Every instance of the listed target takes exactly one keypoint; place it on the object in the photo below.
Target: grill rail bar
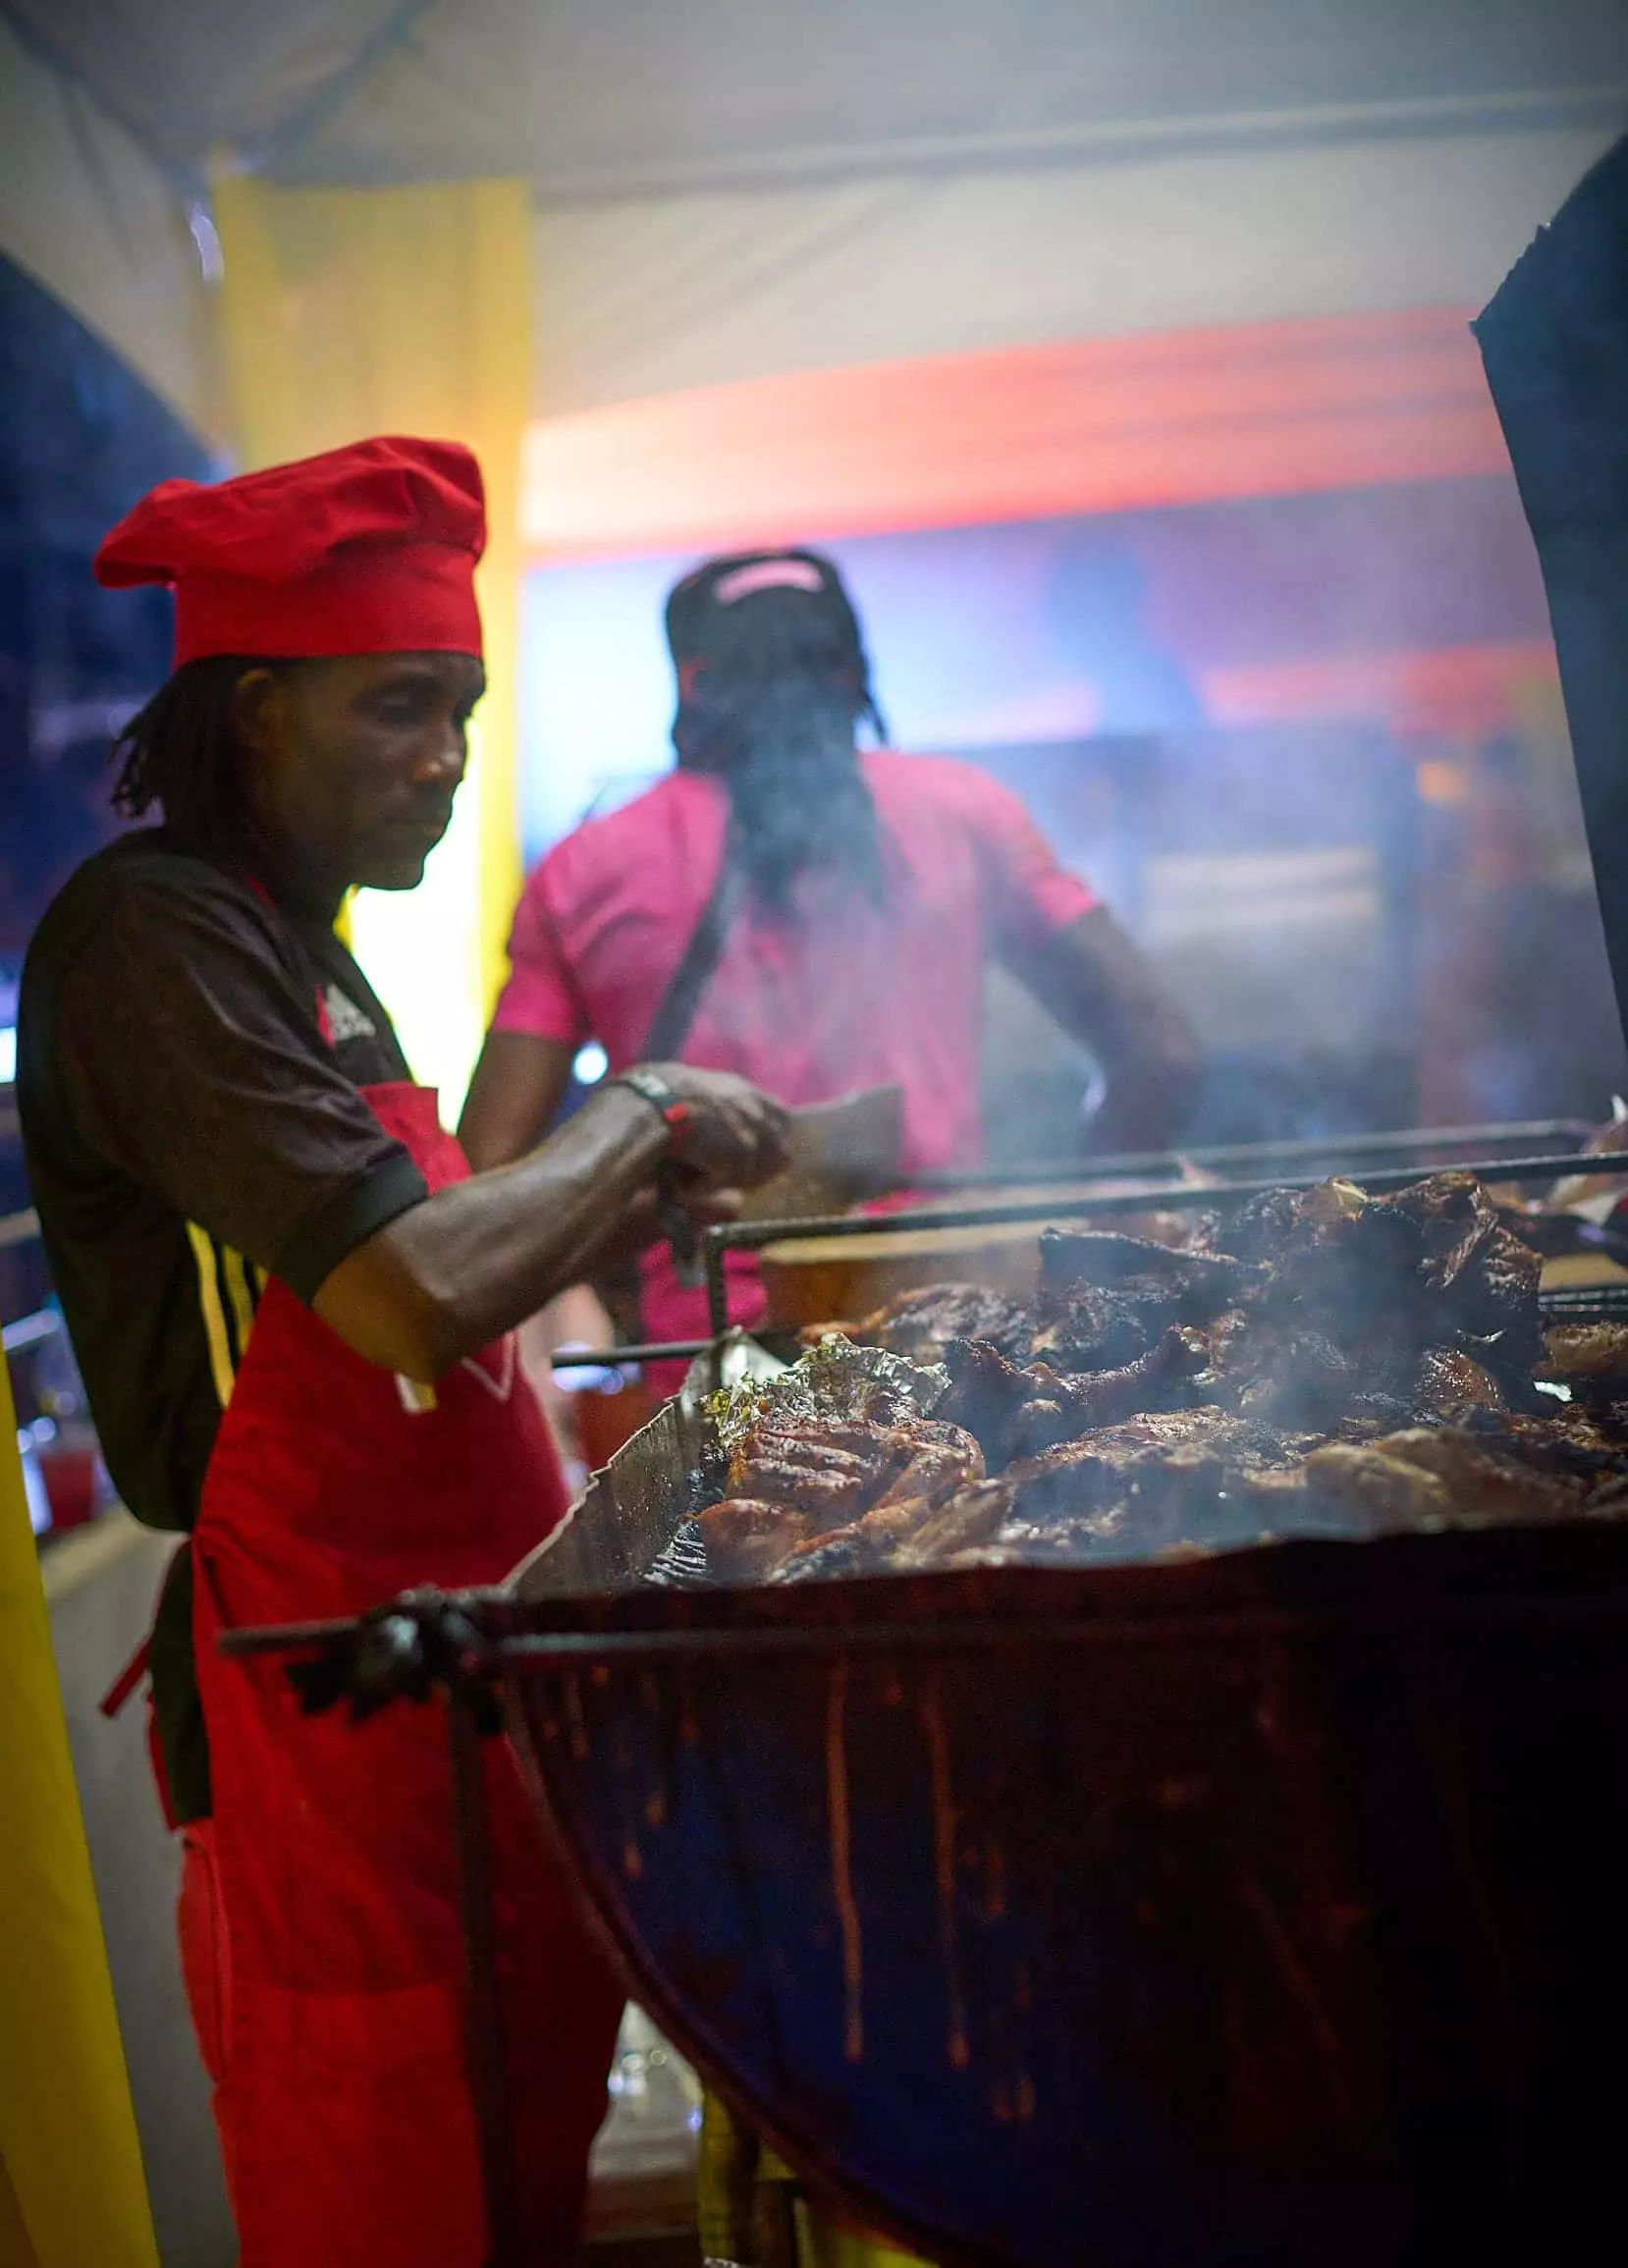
(756, 1235)
(1400, 1143)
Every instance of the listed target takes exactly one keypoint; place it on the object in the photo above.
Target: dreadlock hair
(773, 682)
(181, 752)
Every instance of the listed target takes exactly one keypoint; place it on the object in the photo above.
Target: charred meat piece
(986, 1393)
(1073, 1257)
(1261, 1226)
(919, 1324)
(1093, 1330)
(1485, 1486)
(945, 1460)
(970, 1516)
(1493, 1304)
(1585, 1351)
(845, 1551)
(1103, 1299)
(1453, 1218)
(806, 1473)
(1380, 1493)
(746, 1540)
(1309, 1386)
(1083, 1476)
(1450, 1385)
(1434, 1475)
(1061, 1408)
(1573, 1440)
(792, 1485)
(1014, 1412)
(1197, 1475)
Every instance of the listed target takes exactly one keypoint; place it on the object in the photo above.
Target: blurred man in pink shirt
(815, 918)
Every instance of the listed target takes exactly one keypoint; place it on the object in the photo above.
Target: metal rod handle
(620, 1358)
(1111, 1167)
(754, 1235)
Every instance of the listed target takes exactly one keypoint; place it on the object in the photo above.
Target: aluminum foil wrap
(635, 1521)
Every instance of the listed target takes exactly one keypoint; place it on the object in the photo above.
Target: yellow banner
(72, 2189)
(350, 313)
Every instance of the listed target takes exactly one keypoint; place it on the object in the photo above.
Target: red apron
(337, 2011)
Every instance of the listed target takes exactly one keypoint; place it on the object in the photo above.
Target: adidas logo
(345, 1020)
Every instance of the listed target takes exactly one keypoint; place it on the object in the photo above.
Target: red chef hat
(365, 550)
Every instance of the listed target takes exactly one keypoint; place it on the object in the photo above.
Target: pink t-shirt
(864, 996)
(854, 995)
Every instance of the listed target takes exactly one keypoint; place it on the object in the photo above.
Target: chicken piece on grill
(1587, 1438)
(845, 1551)
(986, 1393)
(1063, 1408)
(834, 1471)
(1440, 1475)
(1084, 1475)
(1435, 1263)
(969, 1517)
(1381, 1491)
(1072, 1257)
(1014, 1412)
(1145, 1487)
(1103, 1329)
(945, 1460)
(919, 1324)
(948, 1465)
(1450, 1385)
(1259, 1227)
(791, 1485)
(1455, 1220)
(1587, 1353)
(746, 1540)
(1104, 1300)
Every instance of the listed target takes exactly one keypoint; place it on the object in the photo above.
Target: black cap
(716, 605)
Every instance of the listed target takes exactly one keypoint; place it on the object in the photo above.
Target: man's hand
(736, 1137)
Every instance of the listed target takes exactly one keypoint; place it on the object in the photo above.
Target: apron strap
(127, 1681)
(680, 1004)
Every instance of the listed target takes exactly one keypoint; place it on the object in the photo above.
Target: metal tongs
(673, 1219)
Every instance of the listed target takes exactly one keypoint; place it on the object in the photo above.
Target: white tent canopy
(728, 189)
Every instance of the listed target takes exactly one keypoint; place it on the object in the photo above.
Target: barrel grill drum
(1257, 1908)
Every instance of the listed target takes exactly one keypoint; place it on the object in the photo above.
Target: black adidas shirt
(188, 1131)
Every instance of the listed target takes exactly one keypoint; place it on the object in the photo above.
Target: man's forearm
(453, 1274)
(1093, 979)
(1148, 1103)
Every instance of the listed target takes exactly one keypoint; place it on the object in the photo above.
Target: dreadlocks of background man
(769, 706)
(181, 752)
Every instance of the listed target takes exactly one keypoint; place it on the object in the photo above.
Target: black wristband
(657, 1093)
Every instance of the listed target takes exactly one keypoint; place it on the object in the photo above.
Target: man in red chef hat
(294, 1308)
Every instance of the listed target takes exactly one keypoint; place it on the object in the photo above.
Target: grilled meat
(793, 1485)
(1323, 1361)
(1439, 1477)
(1450, 1385)
(1061, 1408)
(1587, 1353)
(1014, 1412)
(746, 1538)
(920, 1324)
(1207, 1280)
